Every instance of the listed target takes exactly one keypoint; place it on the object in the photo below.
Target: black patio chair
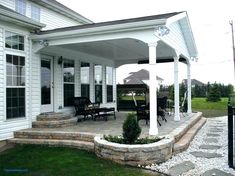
(142, 113)
(162, 107)
(83, 106)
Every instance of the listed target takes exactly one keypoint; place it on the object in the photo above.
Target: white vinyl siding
(176, 39)
(2, 87)
(8, 3)
(55, 20)
(49, 17)
(35, 85)
(8, 126)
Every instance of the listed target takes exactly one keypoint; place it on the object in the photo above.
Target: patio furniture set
(83, 106)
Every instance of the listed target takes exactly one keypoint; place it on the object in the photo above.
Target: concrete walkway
(206, 155)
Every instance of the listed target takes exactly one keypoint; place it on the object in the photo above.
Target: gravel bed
(202, 164)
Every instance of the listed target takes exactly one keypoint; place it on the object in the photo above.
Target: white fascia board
(190, 32)
(184, 16)
(176, 18)
(9, 16)
(141, 25)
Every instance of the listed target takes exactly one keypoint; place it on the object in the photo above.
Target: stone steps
(54, 123)
(57, 135)
(89, 146)
(183, 143)
(54, 120)
(53, 116)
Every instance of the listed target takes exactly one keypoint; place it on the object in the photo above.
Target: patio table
(105, 113)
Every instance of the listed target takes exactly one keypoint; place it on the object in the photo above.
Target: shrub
(120, 140)
(214, 94)
(131, 129)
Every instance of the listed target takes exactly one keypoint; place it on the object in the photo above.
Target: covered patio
(150, 40)
(114, 126)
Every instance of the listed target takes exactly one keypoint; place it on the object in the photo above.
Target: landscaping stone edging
(145, 154)
(134, 155)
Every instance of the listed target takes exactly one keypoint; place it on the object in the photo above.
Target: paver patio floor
(114, 127)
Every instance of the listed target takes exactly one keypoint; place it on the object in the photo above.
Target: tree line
(211, 91)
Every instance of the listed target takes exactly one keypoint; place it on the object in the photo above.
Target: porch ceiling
(121, 51)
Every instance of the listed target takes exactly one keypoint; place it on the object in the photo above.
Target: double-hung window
(98, 83)
(85, 79)
(35, 13)
(109, 83)
(20, 6)
(14, 41)
(15, 76)
(68, 82)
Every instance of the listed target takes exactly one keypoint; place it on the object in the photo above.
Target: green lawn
(131, 98)
(210, 109)
(51, 161)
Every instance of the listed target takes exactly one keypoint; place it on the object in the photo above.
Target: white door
(47, 84)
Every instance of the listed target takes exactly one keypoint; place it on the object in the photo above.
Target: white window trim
(67, 82)
(17, 53)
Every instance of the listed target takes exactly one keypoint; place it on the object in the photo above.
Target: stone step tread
(185, 140)
(53, 142)
(55, 116)
(64, 117)
(179, 132)
(55, 123)
(63, 135)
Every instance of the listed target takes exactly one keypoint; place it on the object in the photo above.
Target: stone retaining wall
(134, 155)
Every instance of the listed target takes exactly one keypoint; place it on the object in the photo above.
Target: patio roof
(126, 41)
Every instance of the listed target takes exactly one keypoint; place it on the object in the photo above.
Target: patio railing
(231, 131)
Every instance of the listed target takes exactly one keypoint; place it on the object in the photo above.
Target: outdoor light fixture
(44, 42)
(160, 31)
(60, 60)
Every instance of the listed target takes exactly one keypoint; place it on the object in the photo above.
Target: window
(14, 41)
(98, 83)
(15, 91)
(68, 82)
(109, 83)
(35, 13)
(15, 70)
(21, 6)
(85, 87)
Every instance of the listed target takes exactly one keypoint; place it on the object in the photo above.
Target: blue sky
(210, 24)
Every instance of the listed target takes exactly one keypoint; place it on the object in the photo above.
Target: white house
(49, 54)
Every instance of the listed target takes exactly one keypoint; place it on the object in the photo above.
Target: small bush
(120, 140)
(131, 129)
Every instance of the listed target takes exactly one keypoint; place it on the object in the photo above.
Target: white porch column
(189, 87)
(153, 130)
(176, 86)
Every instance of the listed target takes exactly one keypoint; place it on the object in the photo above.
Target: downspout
(30, 83)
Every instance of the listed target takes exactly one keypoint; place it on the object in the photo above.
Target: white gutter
(140, 25)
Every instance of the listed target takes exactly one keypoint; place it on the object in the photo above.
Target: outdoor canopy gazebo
(152, 39)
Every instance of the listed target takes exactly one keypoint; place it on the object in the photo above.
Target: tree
(214, 93)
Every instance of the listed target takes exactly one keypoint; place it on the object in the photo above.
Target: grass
(51, 161)
(131, 98)
(210, 109)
